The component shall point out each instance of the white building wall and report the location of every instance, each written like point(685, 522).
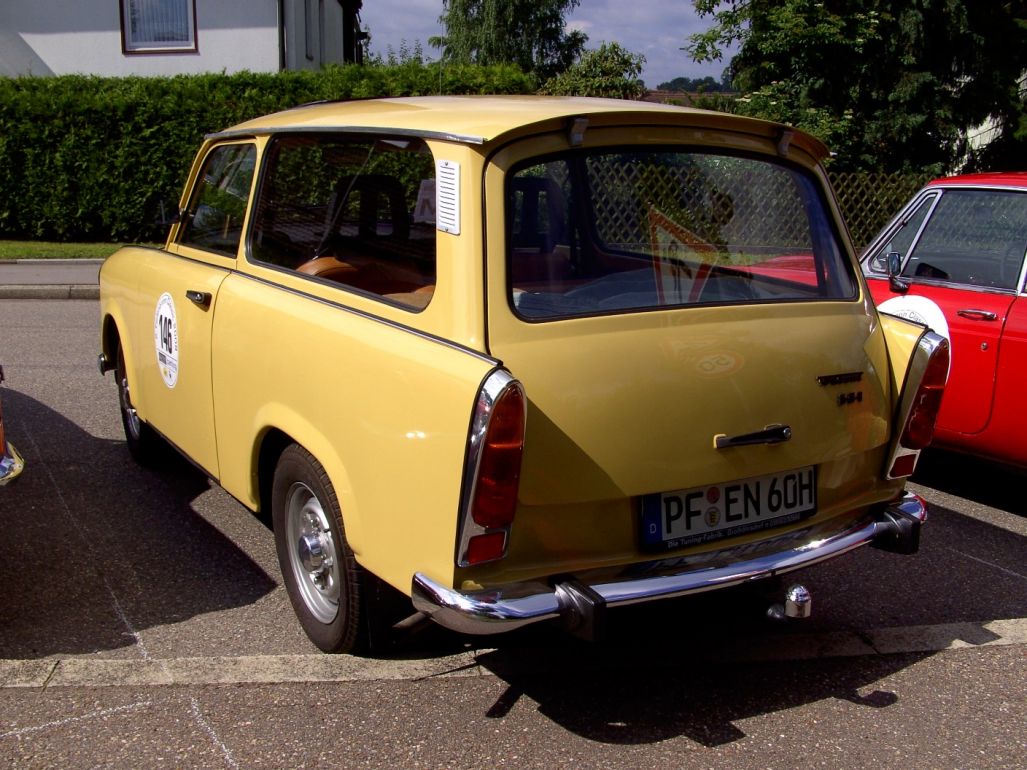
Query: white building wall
point(85, 37)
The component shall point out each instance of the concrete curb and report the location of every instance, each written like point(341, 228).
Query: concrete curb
point(41, 291)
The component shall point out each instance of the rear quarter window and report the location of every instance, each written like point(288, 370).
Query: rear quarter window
point(639, 229)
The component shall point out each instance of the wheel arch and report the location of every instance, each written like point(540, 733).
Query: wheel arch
point(272, 439)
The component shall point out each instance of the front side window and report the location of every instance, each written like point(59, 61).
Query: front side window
point(352, 211)
point(636, 229)
point(971, 238)
point(158, 26)
point(214, 219)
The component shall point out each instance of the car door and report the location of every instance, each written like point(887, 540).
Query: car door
point(963, 249)
point(178, 299)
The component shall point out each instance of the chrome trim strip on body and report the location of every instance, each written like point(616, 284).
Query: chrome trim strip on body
point(443, 136)
point(512, 606)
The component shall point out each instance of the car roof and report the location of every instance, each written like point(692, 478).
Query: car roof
point(990, 179)
point(485, 119)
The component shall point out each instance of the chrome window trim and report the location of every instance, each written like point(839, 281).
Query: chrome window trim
point(898, 223)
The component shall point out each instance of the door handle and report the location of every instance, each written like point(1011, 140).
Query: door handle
point(977, 315)
point(772, 434)
point(201, 298)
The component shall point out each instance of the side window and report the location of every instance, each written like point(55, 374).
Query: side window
point(973, 238)
point(353, 211)
point(214, 219)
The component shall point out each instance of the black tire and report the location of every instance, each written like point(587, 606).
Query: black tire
point(321, 575)
point(144, 444)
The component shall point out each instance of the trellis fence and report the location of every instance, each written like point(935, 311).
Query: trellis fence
point(869, 200)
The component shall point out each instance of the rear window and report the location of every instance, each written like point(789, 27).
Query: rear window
point(634, 229)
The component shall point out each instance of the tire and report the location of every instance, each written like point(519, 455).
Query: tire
point(320, 572)
point(144, 444)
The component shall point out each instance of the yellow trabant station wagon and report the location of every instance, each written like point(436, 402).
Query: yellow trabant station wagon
point(523, 358)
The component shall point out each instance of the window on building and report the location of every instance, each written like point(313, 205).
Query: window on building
point(158, 26)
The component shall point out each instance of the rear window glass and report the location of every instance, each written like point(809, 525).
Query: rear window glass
point(633, 229)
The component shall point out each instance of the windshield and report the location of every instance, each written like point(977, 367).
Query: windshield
point(642, 228)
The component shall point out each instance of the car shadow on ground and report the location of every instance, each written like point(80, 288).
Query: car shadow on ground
point(974, 478)
point(693, 666)
point(667, 691)
point(95, 549)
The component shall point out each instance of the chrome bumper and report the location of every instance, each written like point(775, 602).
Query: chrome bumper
point(581, 601)
point(11, 465)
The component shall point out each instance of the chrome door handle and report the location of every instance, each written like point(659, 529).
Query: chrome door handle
point(977, 315)
point(201, 298)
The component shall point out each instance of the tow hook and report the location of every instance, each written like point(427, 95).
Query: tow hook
point(798, 603)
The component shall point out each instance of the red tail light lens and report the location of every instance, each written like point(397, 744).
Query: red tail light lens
point(493, 470)
point(920, 426)
point(499, 466)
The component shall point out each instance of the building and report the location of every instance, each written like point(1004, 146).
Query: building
point(172, 37)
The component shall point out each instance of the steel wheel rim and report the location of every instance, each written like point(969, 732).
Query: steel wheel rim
point(313, 555)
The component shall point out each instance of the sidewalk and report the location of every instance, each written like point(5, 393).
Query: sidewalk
point(49, 278)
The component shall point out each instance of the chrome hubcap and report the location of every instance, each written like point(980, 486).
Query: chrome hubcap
point(313, 556)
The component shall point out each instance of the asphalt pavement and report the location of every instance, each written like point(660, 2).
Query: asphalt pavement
point(50, 278)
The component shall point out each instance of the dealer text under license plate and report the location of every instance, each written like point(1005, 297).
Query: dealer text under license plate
point(700, 515)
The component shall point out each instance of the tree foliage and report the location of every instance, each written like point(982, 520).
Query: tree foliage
point(890, 85)
point(705, 85)
point(610, 71)
point(528, 33)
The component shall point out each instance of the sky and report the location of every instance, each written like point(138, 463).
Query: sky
point(657, 29)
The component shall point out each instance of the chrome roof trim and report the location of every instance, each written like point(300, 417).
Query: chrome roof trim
point(375, 130)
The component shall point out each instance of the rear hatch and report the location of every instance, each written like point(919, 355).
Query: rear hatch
point(699, 361)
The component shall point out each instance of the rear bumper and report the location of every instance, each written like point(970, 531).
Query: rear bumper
point(581, 600)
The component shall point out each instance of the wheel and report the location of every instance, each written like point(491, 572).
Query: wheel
point(321, 575)
point(143, 442)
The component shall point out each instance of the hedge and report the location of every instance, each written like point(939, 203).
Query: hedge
point(88, 158)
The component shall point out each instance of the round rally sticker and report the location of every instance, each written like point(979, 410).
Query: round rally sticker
point(165, 339)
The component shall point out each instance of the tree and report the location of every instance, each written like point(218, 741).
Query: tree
point(697, 85)
point(528, 33)
point(610, 71)
point(891, 85)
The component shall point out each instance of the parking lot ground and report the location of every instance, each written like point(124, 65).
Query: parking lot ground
point(143, 623)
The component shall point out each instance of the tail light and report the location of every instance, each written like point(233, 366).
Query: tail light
point(493, 470)
point(919, 408)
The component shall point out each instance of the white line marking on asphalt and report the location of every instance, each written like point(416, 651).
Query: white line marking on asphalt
point(73, 720)
point(277, 669)
point(988, 563)
point(55, 673)
point(89, 549)
point(225, 751)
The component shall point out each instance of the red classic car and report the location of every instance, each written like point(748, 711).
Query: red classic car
point(953, 258)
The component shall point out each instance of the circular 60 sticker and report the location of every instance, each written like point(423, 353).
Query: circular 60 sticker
point(165, 339)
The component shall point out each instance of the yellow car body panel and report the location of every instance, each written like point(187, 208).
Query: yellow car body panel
point(364, 397)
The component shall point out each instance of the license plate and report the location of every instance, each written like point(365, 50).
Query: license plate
point(703, 514)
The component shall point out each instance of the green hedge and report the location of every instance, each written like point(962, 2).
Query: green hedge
point(89, 158)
